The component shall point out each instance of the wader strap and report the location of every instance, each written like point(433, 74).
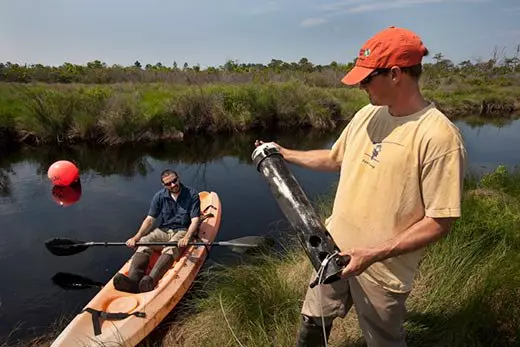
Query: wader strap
point(98, 315)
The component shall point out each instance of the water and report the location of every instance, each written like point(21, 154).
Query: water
point(117, 185)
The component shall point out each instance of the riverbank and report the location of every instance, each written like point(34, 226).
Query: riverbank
point(128, 113)
point(466, 293)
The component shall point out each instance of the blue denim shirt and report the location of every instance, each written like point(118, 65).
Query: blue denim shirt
point(175, 214)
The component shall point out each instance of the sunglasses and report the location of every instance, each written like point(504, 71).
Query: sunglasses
point(172, 182)
point(373, 74)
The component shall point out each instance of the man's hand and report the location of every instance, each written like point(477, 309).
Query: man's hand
point(360, 260)
point(184, 241)
point(131, 242)
point(260, 142)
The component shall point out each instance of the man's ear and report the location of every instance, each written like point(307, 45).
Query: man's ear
point(395, 73)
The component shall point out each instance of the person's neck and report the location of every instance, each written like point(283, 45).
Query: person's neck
point(176, 195)
point(408, 103)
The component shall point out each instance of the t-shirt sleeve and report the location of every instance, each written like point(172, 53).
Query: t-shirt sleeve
point(442, 183)
point(337, 150)
point(195, 207)
point(155, 206)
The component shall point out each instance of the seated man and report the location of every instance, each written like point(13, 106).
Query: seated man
point(179, 209)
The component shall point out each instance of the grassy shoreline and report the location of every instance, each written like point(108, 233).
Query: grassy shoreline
point(466, 292)
point(131, 113)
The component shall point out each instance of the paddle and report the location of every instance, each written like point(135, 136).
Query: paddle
point(65, 247)
point(70, 281)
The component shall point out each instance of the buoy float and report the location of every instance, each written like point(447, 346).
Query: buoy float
point(66, 195)
point(63, 173)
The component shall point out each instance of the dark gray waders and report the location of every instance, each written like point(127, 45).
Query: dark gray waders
point(162, 265)
point(130, 283)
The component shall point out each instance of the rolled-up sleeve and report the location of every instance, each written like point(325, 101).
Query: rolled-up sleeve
point(195, 206)
point(155, 206)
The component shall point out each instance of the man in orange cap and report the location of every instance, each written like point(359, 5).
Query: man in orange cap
point(401, 164)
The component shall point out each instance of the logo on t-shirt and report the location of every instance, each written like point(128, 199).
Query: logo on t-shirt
point(373, 156)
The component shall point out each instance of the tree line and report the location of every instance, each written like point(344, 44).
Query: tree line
point(232, 71)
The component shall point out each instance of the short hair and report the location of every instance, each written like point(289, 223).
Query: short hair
point(415, 71)
point(168, 172)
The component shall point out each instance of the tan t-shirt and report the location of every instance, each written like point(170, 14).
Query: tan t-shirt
point(394, 171)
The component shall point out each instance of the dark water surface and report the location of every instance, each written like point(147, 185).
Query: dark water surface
point(117, 185)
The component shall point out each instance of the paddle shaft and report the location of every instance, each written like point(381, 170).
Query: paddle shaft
point(218, 243)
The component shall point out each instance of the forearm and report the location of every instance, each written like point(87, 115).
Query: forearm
point(315, 159)
point(145, 228)
point(192, 229)
point(419, 235)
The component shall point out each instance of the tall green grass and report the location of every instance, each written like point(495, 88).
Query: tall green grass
point(467, 292)
point(123, 113)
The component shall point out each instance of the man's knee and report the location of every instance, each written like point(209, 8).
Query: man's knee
point(311, 331)
point(144, 249)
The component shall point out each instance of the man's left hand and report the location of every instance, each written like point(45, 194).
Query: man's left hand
point(184, 241)
point(360, 260)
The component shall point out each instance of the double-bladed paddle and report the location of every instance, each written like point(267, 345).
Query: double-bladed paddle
point(64, 247)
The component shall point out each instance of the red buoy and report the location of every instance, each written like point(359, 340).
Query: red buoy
point(66, 195)
point(63, 173)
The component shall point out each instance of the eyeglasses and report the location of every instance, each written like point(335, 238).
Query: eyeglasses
point(373, 74)
point(172, 182)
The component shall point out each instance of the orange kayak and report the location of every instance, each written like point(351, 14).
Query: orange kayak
point(115, 318)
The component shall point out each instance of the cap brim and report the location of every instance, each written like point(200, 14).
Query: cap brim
point(356, 75)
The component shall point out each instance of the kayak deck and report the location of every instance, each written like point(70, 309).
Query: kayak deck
point(144, 311)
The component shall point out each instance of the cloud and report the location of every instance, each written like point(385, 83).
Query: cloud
point(268, 7)
point(385, 5)
point(338, 6)
point(312, 22)
point(359, 6)
point(511, 9)
point(512, 33)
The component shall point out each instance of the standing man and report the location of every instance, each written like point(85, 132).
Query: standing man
point(401, 164)
point(179, 208)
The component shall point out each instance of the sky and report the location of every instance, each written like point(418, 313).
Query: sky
point(210, 32)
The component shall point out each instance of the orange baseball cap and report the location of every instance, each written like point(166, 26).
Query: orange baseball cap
point(390, 47)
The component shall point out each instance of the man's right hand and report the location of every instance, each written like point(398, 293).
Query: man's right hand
point(131, 242)
point(260, 142)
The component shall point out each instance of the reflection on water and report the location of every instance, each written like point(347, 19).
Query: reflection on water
point(117, 184)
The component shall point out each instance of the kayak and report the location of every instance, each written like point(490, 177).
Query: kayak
point(116, 318)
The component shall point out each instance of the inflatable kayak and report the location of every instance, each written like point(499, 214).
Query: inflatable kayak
point(116, 318)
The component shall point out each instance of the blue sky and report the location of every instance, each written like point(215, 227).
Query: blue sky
point(209, 32)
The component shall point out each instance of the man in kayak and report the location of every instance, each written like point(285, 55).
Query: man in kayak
point(401, 164)
point(179, 208)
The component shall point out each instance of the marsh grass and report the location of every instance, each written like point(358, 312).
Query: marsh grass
point(129, 113)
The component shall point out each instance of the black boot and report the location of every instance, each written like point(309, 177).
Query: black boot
point(162, 265)
point(137, 269)
point(310, 333)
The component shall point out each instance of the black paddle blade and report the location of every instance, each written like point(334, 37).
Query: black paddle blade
point(69, 281)
point(63, 247)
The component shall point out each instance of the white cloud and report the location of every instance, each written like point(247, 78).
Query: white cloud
point(358, 6)
point(340, 5)
point(311, 22)
point(384, 5)
point(268, 7)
